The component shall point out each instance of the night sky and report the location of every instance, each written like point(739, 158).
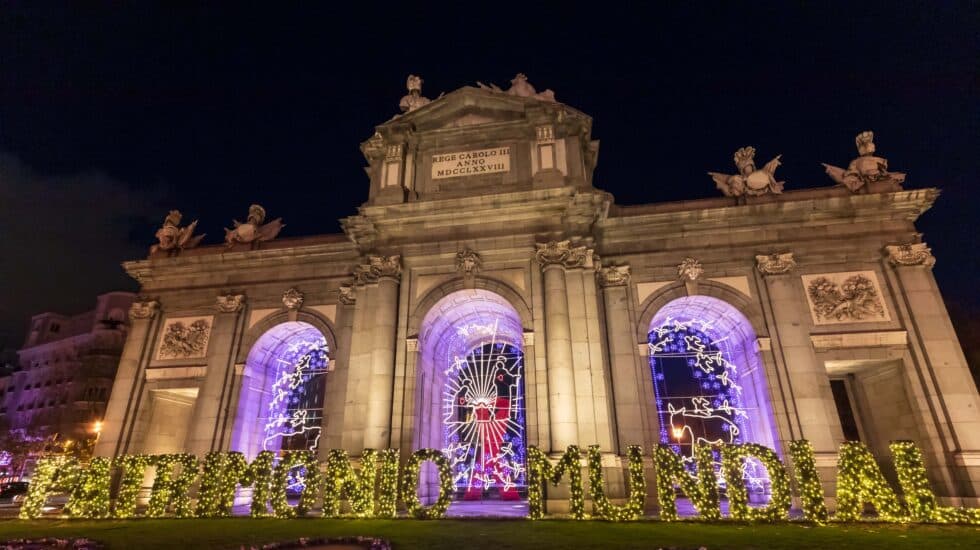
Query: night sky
point(110, 117)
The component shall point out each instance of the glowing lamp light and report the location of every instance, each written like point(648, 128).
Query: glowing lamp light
point(678, 433)
point(97, 426)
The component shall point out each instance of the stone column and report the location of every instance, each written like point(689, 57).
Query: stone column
point(387, 271)
point(202, 435)
point(809, 384)
point(335, 399)
point(558, 345)
point(125, 389)
point(630, 429)
point(953, 404)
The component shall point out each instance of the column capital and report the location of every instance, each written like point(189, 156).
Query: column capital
point(144, 308)
point(229, 302)
point(777, 263)
point(348, 296)
point(614, 275)
point(910, 254)
point(563, 254)
point(528, 338)
point(411, 344)
point(378, 267)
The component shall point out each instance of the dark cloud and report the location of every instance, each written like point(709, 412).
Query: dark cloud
point(62, 238)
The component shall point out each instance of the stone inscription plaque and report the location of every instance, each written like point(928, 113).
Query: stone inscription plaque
point(471, 163)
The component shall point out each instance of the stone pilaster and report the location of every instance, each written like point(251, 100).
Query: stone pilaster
point(558, 346)
point(386, 270)
point(815, 411)
point(952, 402)
point(358, 359)
point(335, 399)
point(630, 417)
point(144, 321)
point(592, 384)
point(202, 435)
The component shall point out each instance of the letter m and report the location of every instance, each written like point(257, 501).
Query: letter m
point(540, 470)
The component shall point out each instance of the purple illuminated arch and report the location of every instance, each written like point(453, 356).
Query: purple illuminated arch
point(280, 405)
point(470, 392)
point(709, 379)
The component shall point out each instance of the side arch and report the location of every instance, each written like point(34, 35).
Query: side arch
point(728, 294)
point(309, 316)
point(281, 389)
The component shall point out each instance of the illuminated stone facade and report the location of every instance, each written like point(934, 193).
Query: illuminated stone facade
point(482, 226)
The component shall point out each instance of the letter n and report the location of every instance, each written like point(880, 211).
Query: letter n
point(702, 489)
point(341, 480)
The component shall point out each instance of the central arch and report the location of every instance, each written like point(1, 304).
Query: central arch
point(470, 393)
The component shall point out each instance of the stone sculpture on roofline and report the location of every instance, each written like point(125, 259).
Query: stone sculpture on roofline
point(173, 238)
point(520, 87)
point(253, 231)
point(750, 181)
point(866, 169)
point(414, 99)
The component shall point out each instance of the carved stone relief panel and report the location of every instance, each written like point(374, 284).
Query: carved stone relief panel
point(185, 338)
point(847, 297)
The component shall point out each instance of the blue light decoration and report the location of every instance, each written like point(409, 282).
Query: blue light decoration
point(483, 418)
point(698, 396)
point(295, 413)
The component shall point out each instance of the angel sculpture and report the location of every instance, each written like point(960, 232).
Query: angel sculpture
point(253, 231)
point(174, 238)
point(865, 169)
point(749, 180)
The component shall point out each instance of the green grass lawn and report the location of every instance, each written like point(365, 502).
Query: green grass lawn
point(497, 534)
